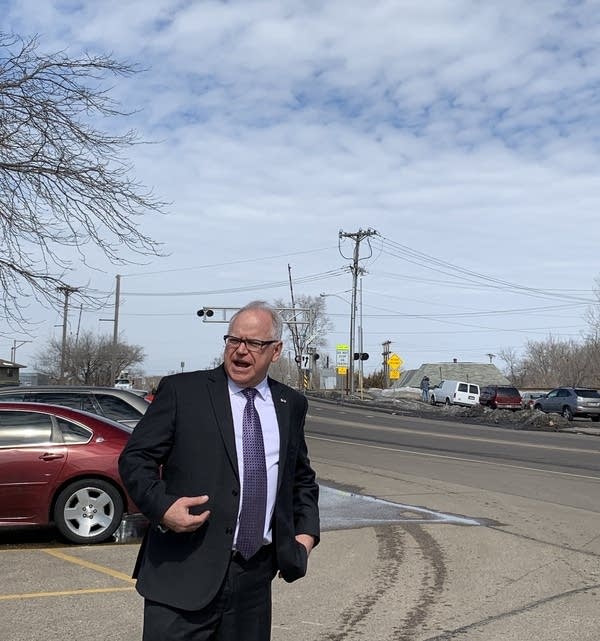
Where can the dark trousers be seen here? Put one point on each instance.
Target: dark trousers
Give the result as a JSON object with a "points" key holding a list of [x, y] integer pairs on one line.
{"points": [[241, 611]]}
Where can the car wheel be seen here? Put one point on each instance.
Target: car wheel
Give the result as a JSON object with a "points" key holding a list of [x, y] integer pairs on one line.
{"points": [[447, 401], [538, 407], [432, 400], [88, 511], [567, 413]]}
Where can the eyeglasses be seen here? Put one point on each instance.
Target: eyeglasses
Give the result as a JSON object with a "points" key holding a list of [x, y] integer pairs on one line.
{"points": [[252, 344]]}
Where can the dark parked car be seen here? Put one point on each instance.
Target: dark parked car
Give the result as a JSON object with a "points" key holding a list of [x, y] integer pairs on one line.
{"points": [[570, 402], [117, 404], [528, 399], [500, 397], [59, 465]]}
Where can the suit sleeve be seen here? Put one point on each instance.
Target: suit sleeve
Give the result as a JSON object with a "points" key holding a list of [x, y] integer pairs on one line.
{"points": [[306, 489], [145, 452]]}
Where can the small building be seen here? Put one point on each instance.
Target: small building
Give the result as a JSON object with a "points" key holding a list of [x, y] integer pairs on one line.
{"points": [[480, 373], [9, 373], [31, 379]]}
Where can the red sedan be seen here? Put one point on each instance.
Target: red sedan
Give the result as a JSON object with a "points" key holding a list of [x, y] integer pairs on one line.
{"points": [[60, 465]]}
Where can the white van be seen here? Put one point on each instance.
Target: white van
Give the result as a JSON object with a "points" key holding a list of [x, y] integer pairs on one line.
{"points": [[454, 393]]}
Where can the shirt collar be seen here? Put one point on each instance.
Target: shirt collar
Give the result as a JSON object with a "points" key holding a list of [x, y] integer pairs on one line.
{"points": [[262, 388]]}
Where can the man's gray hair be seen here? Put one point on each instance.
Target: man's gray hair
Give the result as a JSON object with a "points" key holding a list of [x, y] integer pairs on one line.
{"points": [[266, 307]]}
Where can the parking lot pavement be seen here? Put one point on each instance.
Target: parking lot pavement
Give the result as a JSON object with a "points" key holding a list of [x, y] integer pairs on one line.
{"points": [[384, 571], [53, 593]]}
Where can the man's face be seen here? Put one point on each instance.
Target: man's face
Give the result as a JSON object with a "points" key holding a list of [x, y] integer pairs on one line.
{"points": [[246, 368]]}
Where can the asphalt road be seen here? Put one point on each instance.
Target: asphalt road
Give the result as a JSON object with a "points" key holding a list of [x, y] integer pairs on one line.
{"points": [[551, 466], [530, 570]]}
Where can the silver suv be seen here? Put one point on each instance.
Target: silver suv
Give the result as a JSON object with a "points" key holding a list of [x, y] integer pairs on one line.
{"points": [[570, 402], [117, 404]]}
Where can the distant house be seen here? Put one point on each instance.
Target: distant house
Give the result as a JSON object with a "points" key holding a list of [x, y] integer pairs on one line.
{"points": [[29, 379], [9, 373], [480, 373]]}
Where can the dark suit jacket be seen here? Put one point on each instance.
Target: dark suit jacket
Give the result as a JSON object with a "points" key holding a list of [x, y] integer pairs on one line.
{"points": [[188, 432]]}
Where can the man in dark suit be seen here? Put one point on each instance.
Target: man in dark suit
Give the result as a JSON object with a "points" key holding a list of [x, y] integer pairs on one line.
{"points": [[227, 509]]}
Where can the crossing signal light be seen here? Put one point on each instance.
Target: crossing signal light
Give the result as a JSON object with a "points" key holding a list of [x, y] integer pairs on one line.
{"points": [[361, 356], [205, 312]]}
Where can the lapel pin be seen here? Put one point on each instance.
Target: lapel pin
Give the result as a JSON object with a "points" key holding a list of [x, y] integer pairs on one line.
{"points": [[283, 400]]}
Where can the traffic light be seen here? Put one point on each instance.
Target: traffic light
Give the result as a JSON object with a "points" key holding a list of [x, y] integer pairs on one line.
{"points": [[361, 356], [205, 312], [315, 357]]}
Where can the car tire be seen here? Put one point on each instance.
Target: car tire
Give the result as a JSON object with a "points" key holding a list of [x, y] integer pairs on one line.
{"points": [[595, 418], [432, 400], [538, 407], [567, 413], [88, 511], [448, 402]]}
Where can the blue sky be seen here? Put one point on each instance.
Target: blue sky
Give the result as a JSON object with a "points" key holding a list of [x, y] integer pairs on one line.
{"points": [[466, 132]]}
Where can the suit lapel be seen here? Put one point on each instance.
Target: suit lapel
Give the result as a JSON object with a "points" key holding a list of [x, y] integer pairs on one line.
{"points": [[221, 404], [282, 409]]}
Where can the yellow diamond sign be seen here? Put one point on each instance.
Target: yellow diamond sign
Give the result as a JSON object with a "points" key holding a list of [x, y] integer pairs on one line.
{"points": [[395, 362]]}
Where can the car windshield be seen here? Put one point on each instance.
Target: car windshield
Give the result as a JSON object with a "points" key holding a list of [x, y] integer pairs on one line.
{"points": [[508, 391], [587, 393]]}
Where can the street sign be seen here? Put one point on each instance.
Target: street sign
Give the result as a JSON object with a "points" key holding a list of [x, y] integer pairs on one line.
{"points": [[305, 361], [342, 371], [342, 355], [395, 362], [394, 373]]}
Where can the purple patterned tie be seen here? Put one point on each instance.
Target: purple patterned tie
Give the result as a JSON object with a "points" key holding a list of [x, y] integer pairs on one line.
{"points": [[254, 494]]}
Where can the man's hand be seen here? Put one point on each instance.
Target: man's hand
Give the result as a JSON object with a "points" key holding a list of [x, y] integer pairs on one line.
{"points": [[178, 517], [307, 541]]}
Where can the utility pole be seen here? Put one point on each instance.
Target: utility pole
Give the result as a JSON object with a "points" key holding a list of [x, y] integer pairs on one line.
{"points": [[360, 339], [115, 321], [357, 237], [117, 302], [386, 356], [294, 331], [67, 291], [13, 349]]}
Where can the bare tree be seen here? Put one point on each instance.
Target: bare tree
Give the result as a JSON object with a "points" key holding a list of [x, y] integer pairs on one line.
{"points": [[514, 367], [309, 337], [314, 332], [88, 360], [64, 183], [554, 362]]}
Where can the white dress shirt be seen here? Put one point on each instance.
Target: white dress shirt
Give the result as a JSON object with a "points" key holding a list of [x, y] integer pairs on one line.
{"points": [[270, 430]]}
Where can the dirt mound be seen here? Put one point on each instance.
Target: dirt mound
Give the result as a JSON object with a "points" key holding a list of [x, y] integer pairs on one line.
{"points": [[407, 401]]}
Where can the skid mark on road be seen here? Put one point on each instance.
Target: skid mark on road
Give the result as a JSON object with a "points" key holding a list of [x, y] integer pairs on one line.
{"points": [[480, 625], [432, 584], [385, 575]]}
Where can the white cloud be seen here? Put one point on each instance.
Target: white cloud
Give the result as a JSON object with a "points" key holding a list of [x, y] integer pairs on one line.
{"points": [[465, 130]]}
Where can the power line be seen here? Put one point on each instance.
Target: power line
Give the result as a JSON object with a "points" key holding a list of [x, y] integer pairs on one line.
{"points": [[228, 263], [440, 266]]}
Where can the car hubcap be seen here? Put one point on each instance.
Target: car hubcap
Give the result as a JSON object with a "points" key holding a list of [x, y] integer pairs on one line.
{"points": [[89, 512]]}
